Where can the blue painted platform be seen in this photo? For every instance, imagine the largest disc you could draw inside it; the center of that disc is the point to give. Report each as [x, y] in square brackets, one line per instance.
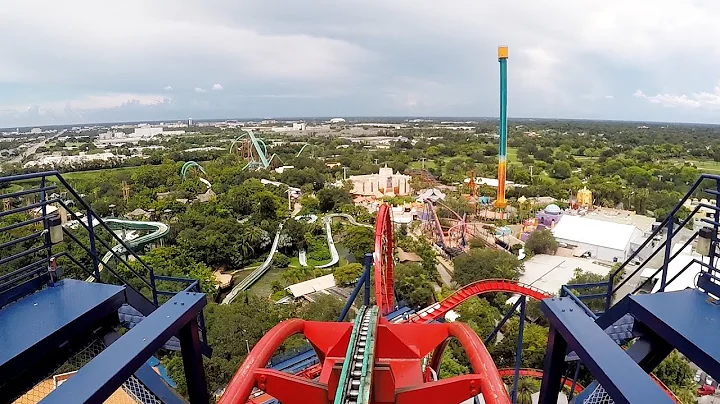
[689, 320]
[37, 324]
[571, 327]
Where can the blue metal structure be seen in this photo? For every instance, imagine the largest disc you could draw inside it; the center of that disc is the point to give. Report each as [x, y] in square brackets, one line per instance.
[46, 317]
[685, 320]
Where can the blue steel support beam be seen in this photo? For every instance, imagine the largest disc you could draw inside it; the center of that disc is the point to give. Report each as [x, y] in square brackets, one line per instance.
[97, 380]
[368, 265]
[553, 367]
[614, 369]
[192, 362]
[518, 350]
[502, 322]
[574, 382]
[668, 250]
[93, 249]
[364, 279]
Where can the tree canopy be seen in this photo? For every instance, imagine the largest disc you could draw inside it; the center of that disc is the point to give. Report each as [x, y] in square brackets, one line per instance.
[485, 263]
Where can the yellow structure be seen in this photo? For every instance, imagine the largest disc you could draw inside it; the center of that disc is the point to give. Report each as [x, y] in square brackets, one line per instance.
[584, 198]
[502, 52]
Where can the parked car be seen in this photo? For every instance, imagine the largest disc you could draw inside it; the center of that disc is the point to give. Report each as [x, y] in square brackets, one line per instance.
[708, 380]
[705, 390]
[698, 375]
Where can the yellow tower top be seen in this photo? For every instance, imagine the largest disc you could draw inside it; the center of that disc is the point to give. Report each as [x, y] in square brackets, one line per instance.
[502, 52]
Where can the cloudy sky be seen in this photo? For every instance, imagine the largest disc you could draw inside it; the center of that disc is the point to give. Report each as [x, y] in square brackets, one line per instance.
[98, 61]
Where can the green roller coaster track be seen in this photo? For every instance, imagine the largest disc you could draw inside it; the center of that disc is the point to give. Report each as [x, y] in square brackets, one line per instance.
[260, 151]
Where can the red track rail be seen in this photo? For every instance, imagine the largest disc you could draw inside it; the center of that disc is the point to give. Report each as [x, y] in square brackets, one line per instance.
[383, 257]
[510, 372]
[438, 310]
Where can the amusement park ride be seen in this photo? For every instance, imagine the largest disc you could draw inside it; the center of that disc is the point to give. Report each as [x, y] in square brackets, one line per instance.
[47, 319]
[253, 150]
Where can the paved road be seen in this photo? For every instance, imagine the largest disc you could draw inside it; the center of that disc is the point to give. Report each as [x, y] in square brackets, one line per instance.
[444, 274]
[32, 149]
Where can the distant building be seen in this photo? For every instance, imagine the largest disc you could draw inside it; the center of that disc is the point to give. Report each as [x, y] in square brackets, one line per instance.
[384, 183]
[606, 241]
[299, 126]
[190, 122]
[337, 120]
[147, 131]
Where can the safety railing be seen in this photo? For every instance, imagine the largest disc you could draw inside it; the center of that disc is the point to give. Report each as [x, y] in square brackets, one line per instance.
[35, 247]
[671, 226]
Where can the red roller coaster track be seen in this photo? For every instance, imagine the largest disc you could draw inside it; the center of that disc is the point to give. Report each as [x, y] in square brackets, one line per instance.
[438, 310]
[383, 258]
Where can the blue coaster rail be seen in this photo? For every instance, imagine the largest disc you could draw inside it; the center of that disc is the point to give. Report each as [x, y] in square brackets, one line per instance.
[33, 270]
[656, 323]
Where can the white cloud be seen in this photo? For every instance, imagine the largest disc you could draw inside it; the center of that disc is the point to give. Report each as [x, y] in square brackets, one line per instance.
[77, 109]
[701, 100]
[217, 87]
[199, 90]
[563, 55]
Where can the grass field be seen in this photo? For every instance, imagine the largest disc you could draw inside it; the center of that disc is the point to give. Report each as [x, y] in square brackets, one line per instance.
[711, 167]
[263, 286]
[419, 164]
[512, 154]
[585, 158]
[77, 175]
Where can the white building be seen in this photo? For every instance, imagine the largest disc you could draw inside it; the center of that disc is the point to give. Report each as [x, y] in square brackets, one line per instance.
[299, 126]
[337, 120]
[385, 183]
[606, 241]
[147, 131]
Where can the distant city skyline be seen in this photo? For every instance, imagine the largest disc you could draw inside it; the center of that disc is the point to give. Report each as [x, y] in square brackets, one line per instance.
[170, 60]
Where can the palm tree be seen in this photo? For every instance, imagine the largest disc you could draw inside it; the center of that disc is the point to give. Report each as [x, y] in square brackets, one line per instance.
[526, 388]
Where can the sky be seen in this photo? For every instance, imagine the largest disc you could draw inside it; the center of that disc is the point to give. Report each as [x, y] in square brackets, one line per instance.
[86, 61]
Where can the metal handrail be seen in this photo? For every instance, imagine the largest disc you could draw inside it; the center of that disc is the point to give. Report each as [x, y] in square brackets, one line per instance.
[671, 232]
[670, 216]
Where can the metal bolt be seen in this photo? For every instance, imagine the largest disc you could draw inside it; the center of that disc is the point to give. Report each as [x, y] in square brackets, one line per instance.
[570, 309]
[182, 303]
[563, 310]
[174, 302]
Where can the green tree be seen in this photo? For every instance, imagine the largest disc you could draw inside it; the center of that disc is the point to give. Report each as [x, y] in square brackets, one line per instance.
[348, 274]
[331, 198]
[582, 277]
[561, 170]
[480, 315]
[676, 373]
[230, 329]
[170, 261]
[542, 242]
[359, 240]
[485, 263]
[413, 285]
[533, 346]
[526, 388]
[450, 366]
[324, 308]
[280, 260]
